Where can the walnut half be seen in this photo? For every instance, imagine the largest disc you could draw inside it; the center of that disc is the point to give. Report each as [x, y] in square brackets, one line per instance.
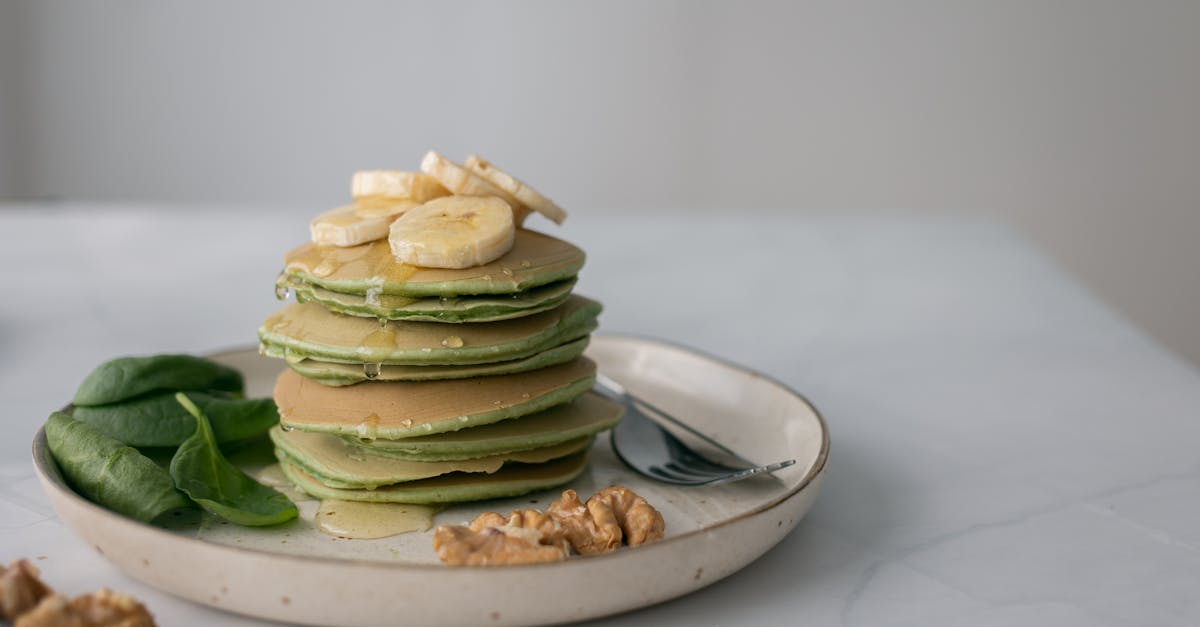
[20, 589]
[547, 527]
[458, 545]
[526, 536]
[103, 607]
[611, 515]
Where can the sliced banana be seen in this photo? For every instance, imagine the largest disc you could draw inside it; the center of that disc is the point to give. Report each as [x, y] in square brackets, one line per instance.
[374, 185]
[526, 195]
[351, 225]
[453, 232]
[460, 180]
[383, 208]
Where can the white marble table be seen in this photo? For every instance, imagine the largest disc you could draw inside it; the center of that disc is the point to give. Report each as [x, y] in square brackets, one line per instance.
[1006, 449]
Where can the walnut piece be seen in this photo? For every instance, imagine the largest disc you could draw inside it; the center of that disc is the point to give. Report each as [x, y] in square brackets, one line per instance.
[611, 515]
[458, 545]
[526, 536]
[20, 589]
[594, 530]
[551, 533]
[103, 608]
[638, 519]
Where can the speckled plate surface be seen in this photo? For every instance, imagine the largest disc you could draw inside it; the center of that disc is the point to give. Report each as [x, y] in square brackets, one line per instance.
[297, 574]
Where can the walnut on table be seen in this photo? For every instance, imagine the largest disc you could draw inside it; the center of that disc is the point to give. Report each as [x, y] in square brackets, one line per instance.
[101, 608]
[610, 516]
[20, 589]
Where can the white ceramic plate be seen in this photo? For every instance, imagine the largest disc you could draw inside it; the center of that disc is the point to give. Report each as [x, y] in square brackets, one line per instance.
[297, 574]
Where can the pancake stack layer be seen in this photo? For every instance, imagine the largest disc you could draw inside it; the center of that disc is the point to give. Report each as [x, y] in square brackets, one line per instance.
[426, 385]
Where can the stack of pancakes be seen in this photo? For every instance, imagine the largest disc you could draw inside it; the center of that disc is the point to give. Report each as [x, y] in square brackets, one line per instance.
[426, 385]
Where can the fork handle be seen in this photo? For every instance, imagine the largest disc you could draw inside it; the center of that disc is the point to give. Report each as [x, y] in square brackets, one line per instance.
[611, 388]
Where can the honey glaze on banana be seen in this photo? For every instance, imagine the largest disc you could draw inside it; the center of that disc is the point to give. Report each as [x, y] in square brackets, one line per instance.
[365, 521]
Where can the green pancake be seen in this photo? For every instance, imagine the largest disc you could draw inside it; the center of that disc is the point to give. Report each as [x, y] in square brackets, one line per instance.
[307, 330]
[587, 415]
[535, 259]
[335, 374]
[479, 308]
[343, 465]
[405, 409]
[510, 480]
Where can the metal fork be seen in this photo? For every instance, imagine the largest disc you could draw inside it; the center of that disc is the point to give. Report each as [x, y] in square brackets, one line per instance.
[654, 452]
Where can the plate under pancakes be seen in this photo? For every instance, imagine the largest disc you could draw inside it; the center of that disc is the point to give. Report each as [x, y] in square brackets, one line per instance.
[309, 330]
[402, 409]
[535, 259]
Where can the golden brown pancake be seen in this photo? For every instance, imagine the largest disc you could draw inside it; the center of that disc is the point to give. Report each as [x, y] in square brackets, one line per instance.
[401, 409]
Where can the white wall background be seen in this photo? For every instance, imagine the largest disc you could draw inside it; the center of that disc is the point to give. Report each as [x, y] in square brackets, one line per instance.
[1077, 121]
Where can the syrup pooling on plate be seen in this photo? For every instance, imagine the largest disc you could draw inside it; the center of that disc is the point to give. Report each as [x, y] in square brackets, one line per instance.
[367, 521]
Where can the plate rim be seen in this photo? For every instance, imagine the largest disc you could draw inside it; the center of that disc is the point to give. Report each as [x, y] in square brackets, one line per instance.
[52, 476]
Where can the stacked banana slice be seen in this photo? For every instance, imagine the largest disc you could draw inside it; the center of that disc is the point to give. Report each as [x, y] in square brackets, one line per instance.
[435, 348]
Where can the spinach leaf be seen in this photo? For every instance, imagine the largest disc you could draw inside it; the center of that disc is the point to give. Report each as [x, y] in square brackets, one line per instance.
[110, 473]
[200, 470]
[127, 377]
[159, 420]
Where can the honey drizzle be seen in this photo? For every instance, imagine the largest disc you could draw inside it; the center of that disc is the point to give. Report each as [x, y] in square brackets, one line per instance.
[363, 521]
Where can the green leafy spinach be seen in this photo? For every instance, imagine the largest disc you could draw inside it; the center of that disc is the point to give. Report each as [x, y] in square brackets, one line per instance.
[202, 472]
[159, 420]
[129, 377]
[109, 472]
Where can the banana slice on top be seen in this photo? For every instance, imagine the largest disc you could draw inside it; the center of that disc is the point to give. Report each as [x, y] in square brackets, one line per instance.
[370, 186]
[453, 232]
[460, 180]
[526, 195]
[351, 225]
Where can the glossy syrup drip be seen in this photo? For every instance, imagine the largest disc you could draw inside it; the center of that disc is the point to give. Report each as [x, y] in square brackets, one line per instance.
[384, 337]
[363, 521]
[323, 261]
[368, 429]
[276, 322]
